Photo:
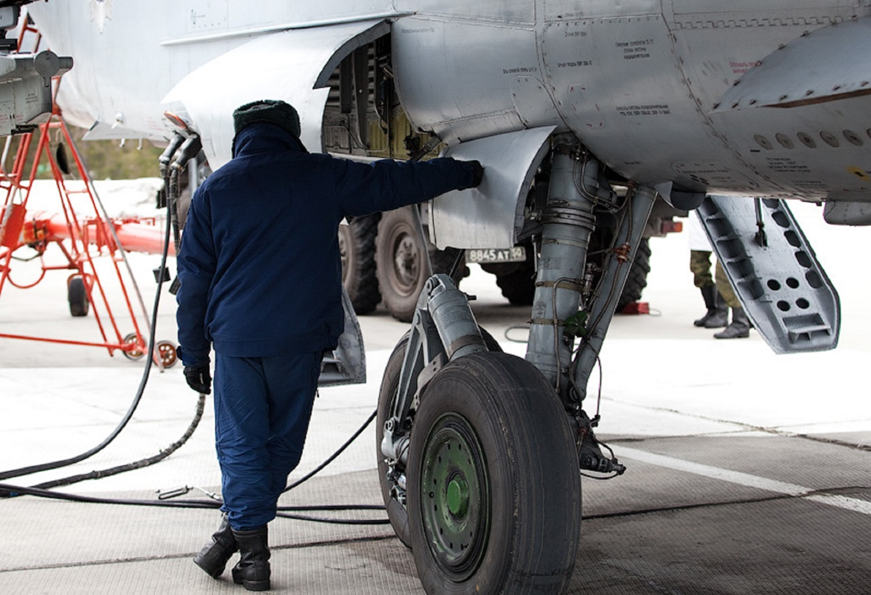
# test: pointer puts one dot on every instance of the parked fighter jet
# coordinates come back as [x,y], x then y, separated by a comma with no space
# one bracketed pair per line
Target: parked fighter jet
[563,101]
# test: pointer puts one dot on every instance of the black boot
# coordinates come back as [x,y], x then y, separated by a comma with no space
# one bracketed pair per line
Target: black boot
[717,315]
[215,554]
[253,571]
[738,329]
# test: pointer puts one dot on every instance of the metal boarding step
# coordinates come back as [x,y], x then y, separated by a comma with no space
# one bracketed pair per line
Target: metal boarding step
[775,273]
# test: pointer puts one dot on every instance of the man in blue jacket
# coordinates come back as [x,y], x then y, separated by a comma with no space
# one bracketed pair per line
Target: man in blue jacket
[260,275]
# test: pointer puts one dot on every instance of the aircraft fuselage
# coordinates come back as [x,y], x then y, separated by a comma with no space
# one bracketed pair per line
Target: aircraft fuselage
[637,81]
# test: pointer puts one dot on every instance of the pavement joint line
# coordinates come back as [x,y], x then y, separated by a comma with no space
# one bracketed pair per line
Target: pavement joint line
[191,555]
[748,480]
[745,426]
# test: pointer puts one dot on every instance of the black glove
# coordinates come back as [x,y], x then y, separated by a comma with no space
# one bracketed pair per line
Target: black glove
[477,173]
[199,378]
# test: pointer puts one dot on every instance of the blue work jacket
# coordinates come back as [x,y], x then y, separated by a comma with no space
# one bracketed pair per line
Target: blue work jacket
[259,264]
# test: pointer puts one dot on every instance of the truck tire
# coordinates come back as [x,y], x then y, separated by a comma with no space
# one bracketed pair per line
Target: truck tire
[516,280]
[357,246]
[637,279]
[400,261]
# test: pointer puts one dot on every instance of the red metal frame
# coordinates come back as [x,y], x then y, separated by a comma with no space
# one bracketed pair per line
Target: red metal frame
[80,241]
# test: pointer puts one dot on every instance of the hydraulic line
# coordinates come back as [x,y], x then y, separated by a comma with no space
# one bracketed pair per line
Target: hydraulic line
[201,404]
[42,490]
[334,456]
[283,511]
[29,470]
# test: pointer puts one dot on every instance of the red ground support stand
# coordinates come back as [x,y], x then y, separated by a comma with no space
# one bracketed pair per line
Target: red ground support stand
[79,237]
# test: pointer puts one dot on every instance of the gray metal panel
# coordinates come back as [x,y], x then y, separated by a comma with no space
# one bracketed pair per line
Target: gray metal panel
[347,363]
[490,215]
[744,7]
[783,288]
[847,213]
[555,10]
[811,69]
[616,82]
[287,65]
[454,77]
[481,10]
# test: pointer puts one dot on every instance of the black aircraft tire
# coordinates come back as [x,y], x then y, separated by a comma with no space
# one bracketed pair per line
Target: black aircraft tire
[396,512]
[77,296]
[494,491]
[637,279]
[357,245]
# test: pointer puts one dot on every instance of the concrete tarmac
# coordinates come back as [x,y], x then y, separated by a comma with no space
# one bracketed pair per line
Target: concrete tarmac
[747,472]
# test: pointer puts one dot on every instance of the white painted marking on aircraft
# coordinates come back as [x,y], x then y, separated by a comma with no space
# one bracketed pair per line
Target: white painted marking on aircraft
[746,479]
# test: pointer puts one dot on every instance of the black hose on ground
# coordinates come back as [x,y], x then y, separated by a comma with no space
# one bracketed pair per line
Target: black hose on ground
[43,489]
[31,469]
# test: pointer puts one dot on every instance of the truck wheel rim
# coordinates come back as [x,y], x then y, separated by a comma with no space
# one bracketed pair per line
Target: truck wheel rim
[406,265]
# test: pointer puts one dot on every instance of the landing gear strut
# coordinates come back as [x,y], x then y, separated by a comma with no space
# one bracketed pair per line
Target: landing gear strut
[479,450]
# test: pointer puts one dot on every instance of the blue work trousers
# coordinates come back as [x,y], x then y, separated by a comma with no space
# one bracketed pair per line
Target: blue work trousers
[262,411]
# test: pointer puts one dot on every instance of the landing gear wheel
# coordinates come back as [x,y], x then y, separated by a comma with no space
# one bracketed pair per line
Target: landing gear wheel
[77,296]
[168,353]
[394,497]
[494,491]
[134,354]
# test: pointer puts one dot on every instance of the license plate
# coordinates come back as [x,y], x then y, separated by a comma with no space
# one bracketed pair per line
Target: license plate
[491,255]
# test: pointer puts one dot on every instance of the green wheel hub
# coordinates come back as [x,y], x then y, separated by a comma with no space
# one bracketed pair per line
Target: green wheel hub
[455,497]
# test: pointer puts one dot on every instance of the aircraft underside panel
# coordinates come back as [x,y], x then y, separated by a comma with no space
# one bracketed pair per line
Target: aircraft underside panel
[454,80]
[774,271]
[490,215]
[289,65]
[615,80]
[788,114]
[649,76]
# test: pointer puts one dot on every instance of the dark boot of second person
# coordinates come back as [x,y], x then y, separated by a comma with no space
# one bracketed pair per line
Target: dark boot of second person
[717,315]
[739,328]
[252,571]
[215,554]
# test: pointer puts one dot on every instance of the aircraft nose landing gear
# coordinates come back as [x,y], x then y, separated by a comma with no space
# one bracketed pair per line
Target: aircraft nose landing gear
[477,460]
[494,494]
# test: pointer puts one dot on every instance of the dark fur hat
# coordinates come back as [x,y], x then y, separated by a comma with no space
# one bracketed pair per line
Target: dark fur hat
[270,111]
